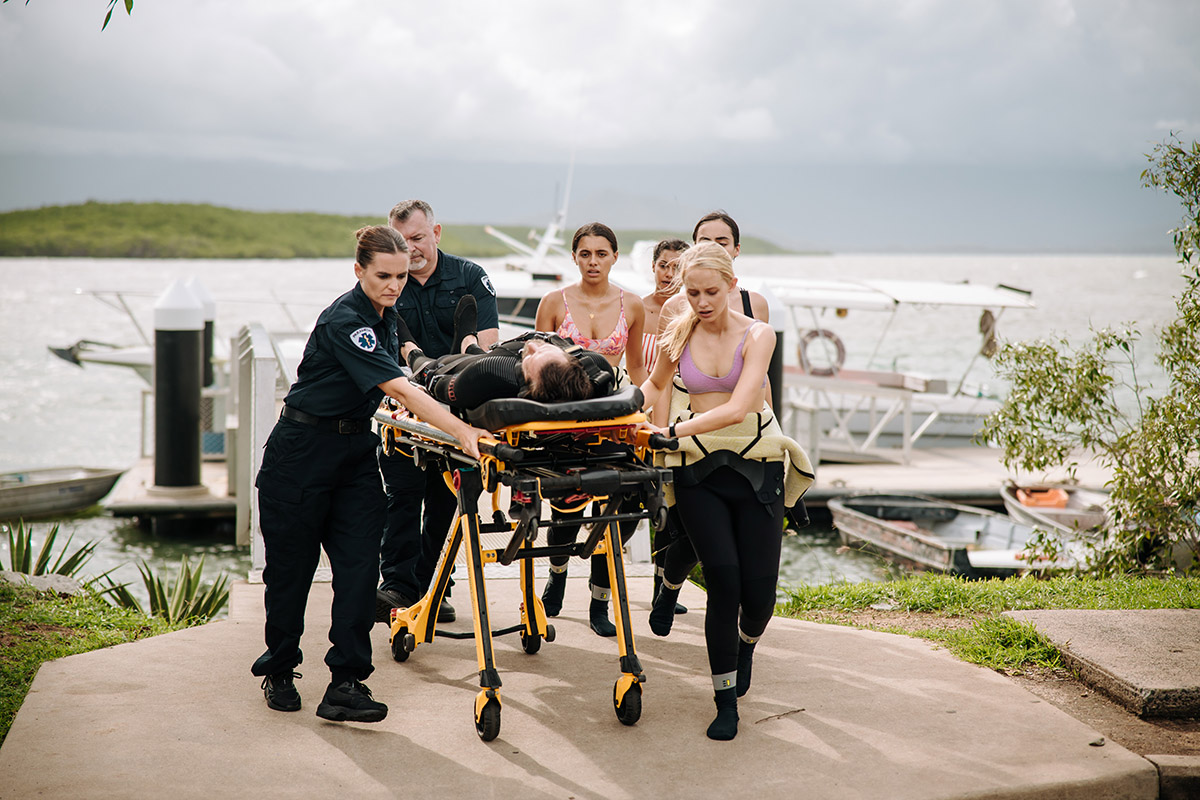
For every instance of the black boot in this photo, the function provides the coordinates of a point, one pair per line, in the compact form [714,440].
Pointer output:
[662,614]
[280,690]
[745,662]
[724,727]
[403,332]
[465,321]
[598,612]
[350,701]
[552,595]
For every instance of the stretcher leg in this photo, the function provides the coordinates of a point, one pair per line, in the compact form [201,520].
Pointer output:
[533,612]
[417,624]
[627,693]
[469,487]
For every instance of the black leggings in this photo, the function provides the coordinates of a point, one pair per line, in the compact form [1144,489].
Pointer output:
[569,534]
[737,539]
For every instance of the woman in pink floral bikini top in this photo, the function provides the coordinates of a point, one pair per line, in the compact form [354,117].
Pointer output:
[594,249]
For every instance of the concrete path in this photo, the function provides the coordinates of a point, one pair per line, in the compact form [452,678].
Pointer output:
[1146,660]
[833,713]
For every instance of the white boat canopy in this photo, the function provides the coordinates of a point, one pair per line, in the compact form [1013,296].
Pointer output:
[885,295]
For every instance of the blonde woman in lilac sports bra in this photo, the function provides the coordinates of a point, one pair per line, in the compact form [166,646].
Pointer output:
[731,508]
[602,317]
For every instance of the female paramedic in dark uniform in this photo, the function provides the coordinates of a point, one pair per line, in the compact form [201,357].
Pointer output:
[319,485]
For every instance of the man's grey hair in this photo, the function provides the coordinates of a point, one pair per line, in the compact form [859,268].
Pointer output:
[403,210]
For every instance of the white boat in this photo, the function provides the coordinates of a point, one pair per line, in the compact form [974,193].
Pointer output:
[864,414]
[53,491]
[1069,511]
[928,534]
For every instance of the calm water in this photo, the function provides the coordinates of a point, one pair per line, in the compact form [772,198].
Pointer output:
[53,413]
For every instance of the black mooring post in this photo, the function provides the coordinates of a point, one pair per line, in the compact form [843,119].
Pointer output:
[201,293]
[178,350]
[775,373]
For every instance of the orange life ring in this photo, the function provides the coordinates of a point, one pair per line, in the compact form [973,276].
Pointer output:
[802,351]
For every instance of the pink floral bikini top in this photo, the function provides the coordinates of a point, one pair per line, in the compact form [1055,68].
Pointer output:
[611,345]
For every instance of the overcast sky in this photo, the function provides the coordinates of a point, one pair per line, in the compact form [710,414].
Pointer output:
[351,105]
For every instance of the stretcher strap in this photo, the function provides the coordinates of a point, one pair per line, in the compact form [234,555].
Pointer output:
[579,507]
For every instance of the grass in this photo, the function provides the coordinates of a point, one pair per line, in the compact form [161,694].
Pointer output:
[191,230]
[966,617]
[36,627]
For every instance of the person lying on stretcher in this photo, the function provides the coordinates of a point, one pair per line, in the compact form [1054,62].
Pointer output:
[540,366]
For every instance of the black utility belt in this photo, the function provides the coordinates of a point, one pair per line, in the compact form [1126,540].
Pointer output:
[327,424]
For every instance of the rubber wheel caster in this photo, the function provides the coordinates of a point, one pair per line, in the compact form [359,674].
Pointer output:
[403,643]
[531,644]
[629,709]
[549,633]
[488,723]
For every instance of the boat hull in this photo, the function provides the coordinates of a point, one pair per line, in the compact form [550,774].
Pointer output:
[927,534]
[37,493]
[1082,516]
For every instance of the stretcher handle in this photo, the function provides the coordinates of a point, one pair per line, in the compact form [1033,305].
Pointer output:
[659,442]
[417,427]
[500,450]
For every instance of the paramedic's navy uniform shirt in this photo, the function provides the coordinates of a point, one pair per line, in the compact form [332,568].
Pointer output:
[428,309]
[350,340]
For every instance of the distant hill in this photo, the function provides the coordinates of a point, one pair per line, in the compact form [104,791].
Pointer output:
[180,230]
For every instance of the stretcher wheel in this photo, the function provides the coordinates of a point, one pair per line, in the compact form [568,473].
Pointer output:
[660,518]
[531,643]
[629,708]
[403,643]
[487,722]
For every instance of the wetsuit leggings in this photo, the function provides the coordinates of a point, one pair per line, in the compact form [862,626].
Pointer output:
[569,534]
[737,539]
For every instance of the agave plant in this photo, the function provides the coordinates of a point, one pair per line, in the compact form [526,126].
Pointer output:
[186,600]
[21,555]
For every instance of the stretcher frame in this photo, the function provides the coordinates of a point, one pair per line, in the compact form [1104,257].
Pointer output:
[553,460]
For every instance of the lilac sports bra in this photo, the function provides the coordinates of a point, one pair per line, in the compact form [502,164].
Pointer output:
[698,382]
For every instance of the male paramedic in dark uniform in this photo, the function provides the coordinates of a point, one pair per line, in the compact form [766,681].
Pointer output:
[412,541]
[319,487]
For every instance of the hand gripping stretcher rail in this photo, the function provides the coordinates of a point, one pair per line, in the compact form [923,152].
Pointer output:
[568,454]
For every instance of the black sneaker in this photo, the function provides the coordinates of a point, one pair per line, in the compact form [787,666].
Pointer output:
[350,701]
[386,600]
[446,612]
[465,321]
[280,691]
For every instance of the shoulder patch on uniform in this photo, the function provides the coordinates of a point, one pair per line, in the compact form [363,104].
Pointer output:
[364,339]
[487,284]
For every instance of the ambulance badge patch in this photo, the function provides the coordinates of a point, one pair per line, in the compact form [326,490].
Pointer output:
[364,339]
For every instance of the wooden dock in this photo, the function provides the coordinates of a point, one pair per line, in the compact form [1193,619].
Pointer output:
[135,495]
[969,475]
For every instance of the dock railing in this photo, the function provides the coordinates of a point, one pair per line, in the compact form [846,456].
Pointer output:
[847,418]
[257,383]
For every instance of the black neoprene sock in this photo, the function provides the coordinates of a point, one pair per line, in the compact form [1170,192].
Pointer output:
[598,611]
[552,595]
[745,661]
[725,726]
[598,616]
[662,613]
